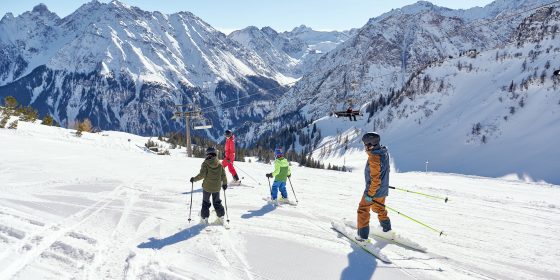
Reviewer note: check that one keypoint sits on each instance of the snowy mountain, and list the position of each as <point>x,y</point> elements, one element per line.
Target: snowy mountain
<point>125,68</point>
<point>489,113</point>
<point>458,117</point>
<point>388,49</point>
<point>292,52</point>
<point>79,219</point>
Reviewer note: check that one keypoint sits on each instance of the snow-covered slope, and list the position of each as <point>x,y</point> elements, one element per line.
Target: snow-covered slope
<point>125,68</point>
<point>490,114</point>
<point>99,207</point>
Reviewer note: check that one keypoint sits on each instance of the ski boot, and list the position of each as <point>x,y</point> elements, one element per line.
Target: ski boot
<point>236,181</point>
<point>219,221</point>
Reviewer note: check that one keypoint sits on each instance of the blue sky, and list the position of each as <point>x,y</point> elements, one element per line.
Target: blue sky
<point>229,15</point>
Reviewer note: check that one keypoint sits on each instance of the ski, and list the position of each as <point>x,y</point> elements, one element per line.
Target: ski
<point>208,225</point>
<point>217,222</point>
<point>366,245</point>
<point>280,201</point>
<point>391,237</point>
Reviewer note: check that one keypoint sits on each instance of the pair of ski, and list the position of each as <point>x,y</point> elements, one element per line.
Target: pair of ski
<point>376,234</point>
<point>223,223</point>
<point>217,222</point>
<point>280,201</point>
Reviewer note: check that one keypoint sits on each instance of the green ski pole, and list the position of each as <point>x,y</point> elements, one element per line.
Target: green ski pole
<point>410,218</point>
<point>426,195</point>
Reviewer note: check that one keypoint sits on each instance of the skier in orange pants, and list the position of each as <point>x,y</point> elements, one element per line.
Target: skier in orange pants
<point>377,186</point>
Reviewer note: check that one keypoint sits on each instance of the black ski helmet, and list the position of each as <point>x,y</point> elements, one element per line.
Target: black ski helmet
<point>371,139</point>
<point>211,151</point>
<point>228,133</point>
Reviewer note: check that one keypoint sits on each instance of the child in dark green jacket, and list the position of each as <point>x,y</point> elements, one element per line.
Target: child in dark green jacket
<point>214,175</point>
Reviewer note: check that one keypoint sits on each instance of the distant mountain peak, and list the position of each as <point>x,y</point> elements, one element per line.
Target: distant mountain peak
<point>41,9</point>
<point>269,30</point>
<point>302,28</point>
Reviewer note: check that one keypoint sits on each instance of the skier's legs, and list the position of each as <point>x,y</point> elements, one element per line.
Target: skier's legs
<point>274,193</point>
<point>282,187</point>
<point>205,211</point>
<point>217,202</point>
<point>232,169</point>
<point>229,165</point>
<point>363,218</point>
<point>381,213</point>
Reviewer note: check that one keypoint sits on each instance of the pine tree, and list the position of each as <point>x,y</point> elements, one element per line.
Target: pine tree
<point>47,120</point>
<point>4,120</point>
<point>13,125</point>
<point>10,102</point>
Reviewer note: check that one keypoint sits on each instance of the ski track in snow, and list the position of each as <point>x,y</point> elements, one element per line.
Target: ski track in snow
<point>78,210</point>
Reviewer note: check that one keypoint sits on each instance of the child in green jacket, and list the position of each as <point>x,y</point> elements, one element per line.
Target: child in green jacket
<point>281,173</point>
<point>214,175</point>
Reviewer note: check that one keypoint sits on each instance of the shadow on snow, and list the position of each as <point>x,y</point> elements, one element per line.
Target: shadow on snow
<point>361,265</point>
<point>195,191</point>
<point>180,236</point>
<point>267,208</point>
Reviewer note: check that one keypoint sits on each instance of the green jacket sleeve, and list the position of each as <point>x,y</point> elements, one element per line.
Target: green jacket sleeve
<point>224,178</point>
<point>202,173</point>
<point>276,168</point>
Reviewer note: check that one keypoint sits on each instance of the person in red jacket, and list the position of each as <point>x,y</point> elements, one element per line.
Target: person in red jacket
<point>230,156</point>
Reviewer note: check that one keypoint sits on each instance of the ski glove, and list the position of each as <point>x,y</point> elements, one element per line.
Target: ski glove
<point>289,176</point>
<point>369,198</point>
<point>224,187</point>
<point>269,175</point>
<point>192,179</point>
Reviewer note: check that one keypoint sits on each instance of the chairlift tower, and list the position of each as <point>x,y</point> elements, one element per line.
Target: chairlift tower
<point>189,114</point>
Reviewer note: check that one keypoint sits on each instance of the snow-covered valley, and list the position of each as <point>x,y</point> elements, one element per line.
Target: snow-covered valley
<point>101,207</point>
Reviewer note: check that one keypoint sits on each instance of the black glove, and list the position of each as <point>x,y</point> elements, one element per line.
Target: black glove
<point>289,176</point>
<point>269,175</point>
<point>224,187</point>
<point>192,179</point>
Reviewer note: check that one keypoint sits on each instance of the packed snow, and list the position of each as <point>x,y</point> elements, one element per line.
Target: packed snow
<point>102,207</point>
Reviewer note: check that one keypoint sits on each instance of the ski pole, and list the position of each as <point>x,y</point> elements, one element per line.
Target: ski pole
<point>292,189</point>
<point>190,206</point>
<point>410,218</point>
<point>225,201</point>
<point>426,195</point>
<point>269,187</point>
<point>248,175</point>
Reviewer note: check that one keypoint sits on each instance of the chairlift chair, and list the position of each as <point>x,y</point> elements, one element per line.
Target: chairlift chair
<point>202,123</point>
<point>346,114</point>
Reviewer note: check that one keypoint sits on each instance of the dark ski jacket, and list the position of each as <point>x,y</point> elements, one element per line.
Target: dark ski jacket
<point>377,173</point>
<point>213,174</point>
